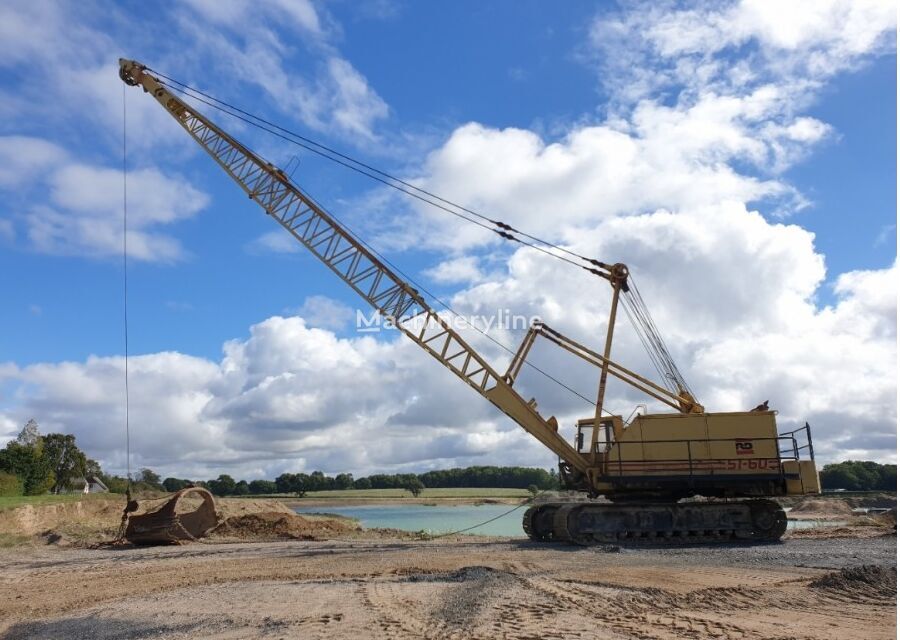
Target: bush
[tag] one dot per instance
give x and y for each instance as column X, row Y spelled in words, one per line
column 10, row 485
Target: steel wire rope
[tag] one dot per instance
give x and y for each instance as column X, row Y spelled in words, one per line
column 184, row 88
column 659, row 355
column 501, row 233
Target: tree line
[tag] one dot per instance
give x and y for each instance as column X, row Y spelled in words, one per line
column 301, row 483
column 854, row 475
column 34, row 464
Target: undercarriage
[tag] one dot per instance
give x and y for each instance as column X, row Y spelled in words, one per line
column 587, row 523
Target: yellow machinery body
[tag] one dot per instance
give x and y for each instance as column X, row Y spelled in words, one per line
column 713, row 454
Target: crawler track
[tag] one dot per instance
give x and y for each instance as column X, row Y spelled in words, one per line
column 587, row 523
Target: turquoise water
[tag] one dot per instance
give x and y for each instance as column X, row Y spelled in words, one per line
column 435, row 520
column 446, row 518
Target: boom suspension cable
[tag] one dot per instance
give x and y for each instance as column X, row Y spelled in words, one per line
column 636, row 309
column 367, row 169
column 447, row 306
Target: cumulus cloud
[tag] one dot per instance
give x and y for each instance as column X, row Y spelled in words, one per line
column 23, row 159
column 675, row 180
column 325, row 312
column 290, row 396
column 84, row 213
column 730, row 47
column 335, row 98
column 456, row 271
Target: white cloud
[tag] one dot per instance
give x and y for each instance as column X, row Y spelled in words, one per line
column 335, row 98
column 325, row 313
column 84, row 215
column 292, row 396
column 237, row 13
column 736, row 45
column 288, row 397
column 24, row 160
column 456, row 271
column 276, row 241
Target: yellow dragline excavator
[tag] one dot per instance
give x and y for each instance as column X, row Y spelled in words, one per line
column 727, row 465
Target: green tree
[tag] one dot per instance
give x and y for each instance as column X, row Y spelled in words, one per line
column 115, row 484
column 362, row 483
column 343, row 481
column 65, row 459
column 10, row 484
column 285, row 483
column 242, row 488
column 855, row 475
column 262, row 487
column 92, row 468
column 414, row 486
column 174, row 484
column 222, row 486
column 29, row 464
column 149, row 476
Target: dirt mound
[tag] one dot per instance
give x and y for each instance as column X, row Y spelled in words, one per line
column 870, row 581
column 828, row 533
column 278, row 525
column 32, row 520
column 228, row 507
column 820, row 507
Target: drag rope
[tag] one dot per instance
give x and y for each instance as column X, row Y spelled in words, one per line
column 481, row 524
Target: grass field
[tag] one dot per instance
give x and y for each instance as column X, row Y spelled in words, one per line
column 470, row 493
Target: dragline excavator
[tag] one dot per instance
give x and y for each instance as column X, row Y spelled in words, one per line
column 727, row 465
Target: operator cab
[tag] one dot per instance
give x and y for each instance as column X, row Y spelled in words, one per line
column 610, row 427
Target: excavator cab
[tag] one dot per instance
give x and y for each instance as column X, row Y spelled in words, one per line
column 610, row 430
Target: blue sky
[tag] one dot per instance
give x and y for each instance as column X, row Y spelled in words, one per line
column 735, row 113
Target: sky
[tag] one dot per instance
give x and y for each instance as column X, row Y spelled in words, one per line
column 739, row 156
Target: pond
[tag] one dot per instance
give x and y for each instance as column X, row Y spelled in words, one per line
column 435, row 520
column 447, row 518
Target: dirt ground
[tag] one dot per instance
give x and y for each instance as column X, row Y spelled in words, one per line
column 325, row 578
column 464, row 588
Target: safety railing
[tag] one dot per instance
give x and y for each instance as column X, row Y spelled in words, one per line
column 693, row 463
column 806, row 431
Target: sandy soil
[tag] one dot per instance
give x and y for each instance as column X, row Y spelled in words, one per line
column 89, row 522
column 326, row 578
column 478, row 588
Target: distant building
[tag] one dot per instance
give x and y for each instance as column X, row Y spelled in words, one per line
column 90, row 484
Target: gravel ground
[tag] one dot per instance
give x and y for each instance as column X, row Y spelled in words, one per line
column 822, row 554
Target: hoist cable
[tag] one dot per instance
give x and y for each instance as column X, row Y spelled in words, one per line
column 184, row 88
column 125, row 275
